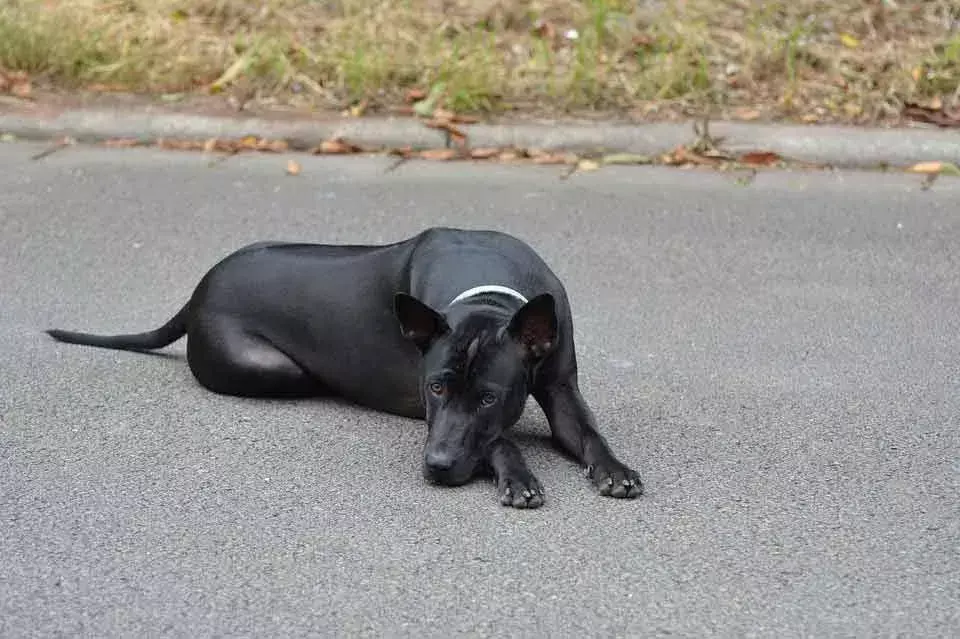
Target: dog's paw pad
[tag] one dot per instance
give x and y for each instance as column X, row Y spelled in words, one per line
column 521, row 494
column 616, row 480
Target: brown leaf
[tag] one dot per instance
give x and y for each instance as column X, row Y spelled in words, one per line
column 210, row 145
column 415, row 95
column 293, row 167
column 441, row 155
column 643, row 42
column 541, row 156
column 484, row 153
column 747, row 114
column 682, row 156
column 121, row 143
column 545, row 29
column 336, row 146
column 464, row 119
column 553, row 158
column 273, row 146
column 180, row 145
column 459, row 137
column 403, row 152
column 16, row 83
column 22, row 89
column 942, row 117
column 760, row 158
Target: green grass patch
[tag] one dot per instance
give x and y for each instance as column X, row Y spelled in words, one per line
column 814, row 58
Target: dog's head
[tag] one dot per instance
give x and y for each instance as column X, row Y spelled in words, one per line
column 476, row 372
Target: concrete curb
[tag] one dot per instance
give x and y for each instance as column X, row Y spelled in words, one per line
column 833, row 145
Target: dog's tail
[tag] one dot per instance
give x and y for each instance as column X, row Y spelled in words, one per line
column 163, row 336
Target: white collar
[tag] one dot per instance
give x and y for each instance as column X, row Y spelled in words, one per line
column 488, row 288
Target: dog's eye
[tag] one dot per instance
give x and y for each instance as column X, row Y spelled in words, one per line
column 436, row 388
column 488, row 399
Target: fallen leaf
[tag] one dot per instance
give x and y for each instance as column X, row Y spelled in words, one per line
column 250, row 143
column 544, row 29
column 273, row 146
column 682, row 156
column 336, row 146
column 942, row 117
column 627, row 158
column 210, row 145
column 8, row 79
column 357, row 110
column 441, row 155
column 179, row 145
column 587, row 164
column 747, row 114
column 293, row 167
column 121, row 143
column 464, row 119
column 553, row 158
column 760, row 158
column 232, row 73
column 458, row 136
column 484, row 153
column 415, row 95
column 644, row 42
column 22, row 89
column 939, row 168
column 403, row 152
column 443, row 115
column 99, row 87
column 850, row 41
column 425, row 107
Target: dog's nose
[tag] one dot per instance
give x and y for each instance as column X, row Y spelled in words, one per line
column 438, row 461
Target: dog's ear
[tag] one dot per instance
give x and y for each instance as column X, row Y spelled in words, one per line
column 418, row 322
column 534, row 326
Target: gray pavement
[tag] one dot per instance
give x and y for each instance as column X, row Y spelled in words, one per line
column 779, row 360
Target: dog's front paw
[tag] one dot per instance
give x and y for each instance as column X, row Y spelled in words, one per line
column 521, row 490
column 613, row 479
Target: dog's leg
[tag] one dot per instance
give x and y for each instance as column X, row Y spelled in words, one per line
column 574, row 429
column 517, row 485
column 227, row 359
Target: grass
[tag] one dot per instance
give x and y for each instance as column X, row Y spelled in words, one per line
column 800, row 59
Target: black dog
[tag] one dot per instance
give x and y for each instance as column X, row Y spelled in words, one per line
column 457, row 327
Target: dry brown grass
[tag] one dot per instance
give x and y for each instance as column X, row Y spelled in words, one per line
column 810, row 59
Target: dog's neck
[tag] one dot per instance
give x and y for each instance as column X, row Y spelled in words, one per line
column 486, row 289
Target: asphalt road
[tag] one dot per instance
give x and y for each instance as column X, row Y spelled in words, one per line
column 779, row 360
